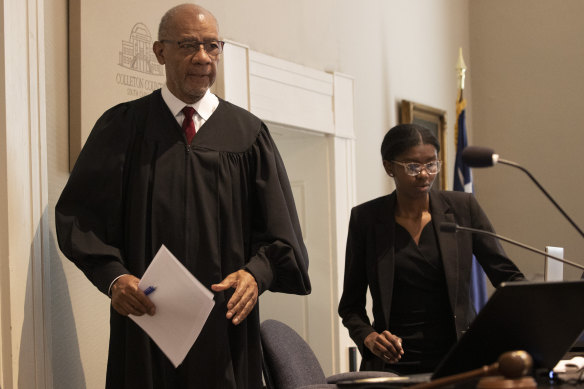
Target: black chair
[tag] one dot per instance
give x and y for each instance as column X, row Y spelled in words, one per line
column 290, row 363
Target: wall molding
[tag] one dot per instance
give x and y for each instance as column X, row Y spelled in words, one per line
column 25, row 314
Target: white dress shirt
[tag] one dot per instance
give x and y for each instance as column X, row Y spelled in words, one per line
column 204, row 107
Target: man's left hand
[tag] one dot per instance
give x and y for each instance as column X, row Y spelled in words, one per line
column 244, row 298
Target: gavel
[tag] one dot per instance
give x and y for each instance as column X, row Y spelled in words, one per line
column 510, row 371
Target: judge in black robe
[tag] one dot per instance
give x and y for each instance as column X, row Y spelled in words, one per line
column 221, row 204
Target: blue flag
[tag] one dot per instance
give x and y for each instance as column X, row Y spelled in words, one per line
column 463, row 183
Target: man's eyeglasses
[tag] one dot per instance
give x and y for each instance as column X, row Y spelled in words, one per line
column 189, row 47
column 413, row 168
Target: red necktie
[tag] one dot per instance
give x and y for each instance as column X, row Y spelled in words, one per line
column 188, row 124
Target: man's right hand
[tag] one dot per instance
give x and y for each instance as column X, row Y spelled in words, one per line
column 128, row 299
column 385, row 345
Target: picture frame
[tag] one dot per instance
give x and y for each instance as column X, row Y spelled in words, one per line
column 433, row 119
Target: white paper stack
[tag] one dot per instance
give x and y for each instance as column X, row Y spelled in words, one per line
column 182, row 306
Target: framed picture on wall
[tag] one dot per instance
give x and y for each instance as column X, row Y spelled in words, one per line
column 433, row 119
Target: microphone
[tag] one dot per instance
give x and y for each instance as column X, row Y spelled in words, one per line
column 475, row 156
column 453, row 227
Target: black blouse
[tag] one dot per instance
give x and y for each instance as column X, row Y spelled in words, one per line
column 420, row 311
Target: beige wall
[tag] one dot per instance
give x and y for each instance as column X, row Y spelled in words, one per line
column 526, row 61
column 524, row 86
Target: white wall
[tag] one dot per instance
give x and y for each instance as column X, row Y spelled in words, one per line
column 396, row 49
column 80, row 313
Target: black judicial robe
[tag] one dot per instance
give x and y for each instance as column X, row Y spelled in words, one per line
column 221, row 204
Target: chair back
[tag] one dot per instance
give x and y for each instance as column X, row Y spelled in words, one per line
column 288, row 361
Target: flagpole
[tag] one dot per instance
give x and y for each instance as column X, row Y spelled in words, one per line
column 460, row 105
column 463, row 180
column 461, row 73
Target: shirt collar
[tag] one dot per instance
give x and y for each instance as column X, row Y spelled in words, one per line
column 204, row 107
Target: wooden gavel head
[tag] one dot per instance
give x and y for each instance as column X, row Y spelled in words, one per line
column 512, row 368
column 515, row 364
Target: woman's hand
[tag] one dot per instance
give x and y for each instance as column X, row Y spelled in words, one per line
column 385, row 345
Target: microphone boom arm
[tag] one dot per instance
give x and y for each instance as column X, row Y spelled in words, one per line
column 496, row 236
column 505, row 162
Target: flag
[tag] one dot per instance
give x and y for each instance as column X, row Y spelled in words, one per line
column 463, row 183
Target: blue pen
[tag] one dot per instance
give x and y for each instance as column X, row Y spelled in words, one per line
column 149, row 290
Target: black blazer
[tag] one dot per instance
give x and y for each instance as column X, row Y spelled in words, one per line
column 369, row 262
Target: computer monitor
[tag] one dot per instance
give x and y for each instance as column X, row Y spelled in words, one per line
column 578, row 346
column 543, row 318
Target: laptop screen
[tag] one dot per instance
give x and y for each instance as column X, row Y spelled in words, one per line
column 579, row 345
column 544, row 319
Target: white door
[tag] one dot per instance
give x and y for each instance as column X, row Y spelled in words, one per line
column 307, row 159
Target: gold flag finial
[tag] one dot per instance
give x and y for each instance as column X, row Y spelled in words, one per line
column 460, row 69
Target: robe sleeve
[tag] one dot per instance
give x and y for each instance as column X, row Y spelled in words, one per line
column 279, row 260
column 88, row 215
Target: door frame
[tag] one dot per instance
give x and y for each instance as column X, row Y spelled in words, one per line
column 311, row 100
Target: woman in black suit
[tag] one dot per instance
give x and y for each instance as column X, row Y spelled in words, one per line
column 418, row 276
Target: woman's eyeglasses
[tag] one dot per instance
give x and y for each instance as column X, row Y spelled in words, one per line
column 413, row 168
